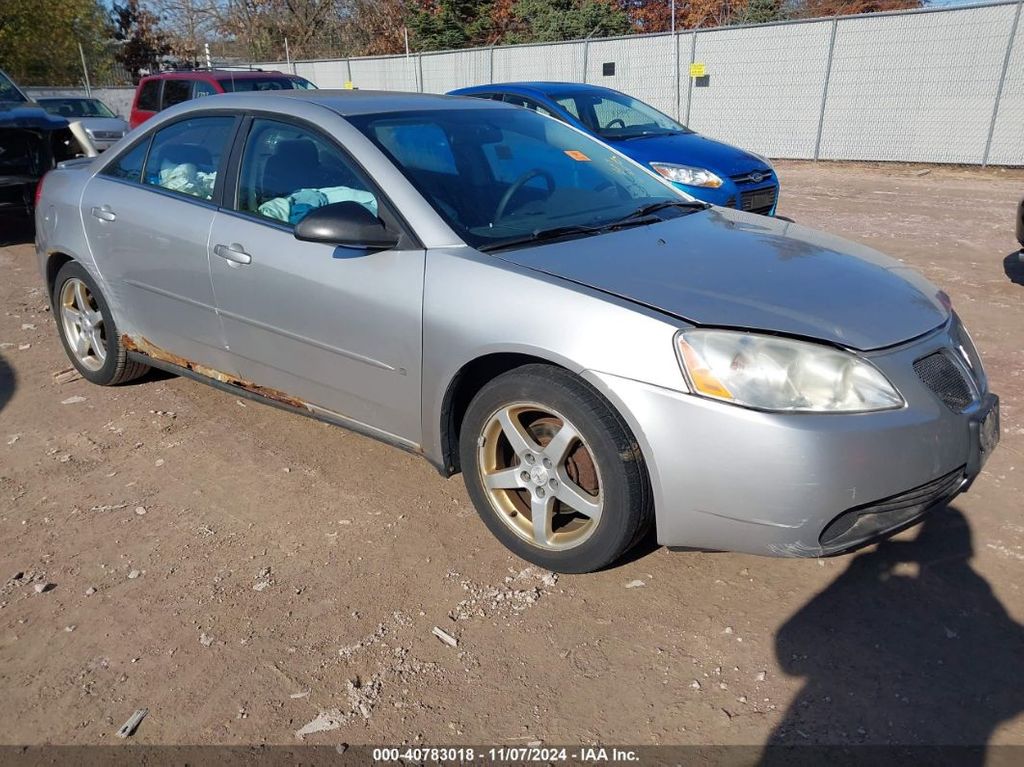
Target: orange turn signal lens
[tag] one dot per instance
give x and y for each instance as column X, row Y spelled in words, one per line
column 703, row 380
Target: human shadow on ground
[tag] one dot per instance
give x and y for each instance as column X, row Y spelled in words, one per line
column 1014, row 267
column 908, row 646
column 8, row 382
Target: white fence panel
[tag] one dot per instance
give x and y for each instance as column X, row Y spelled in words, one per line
column 443, row 72
column 1008, row 136
column 915, row 87
column 393, row 73
column 561, row 61
column 763, row 86
column 644, row 67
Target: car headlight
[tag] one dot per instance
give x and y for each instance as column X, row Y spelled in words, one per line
column 686, row 174
column 771, row 373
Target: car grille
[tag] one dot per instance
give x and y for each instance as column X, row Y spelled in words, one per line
column 108, row 135
column 947, row 379
column 862, row 523
column 758, row 200
column 755, row 177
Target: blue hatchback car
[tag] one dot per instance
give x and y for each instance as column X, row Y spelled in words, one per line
column 702, row 167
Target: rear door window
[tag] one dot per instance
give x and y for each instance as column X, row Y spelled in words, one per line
column 149, row 96
column 176, row 91
column 522, row 101
column 185, row 156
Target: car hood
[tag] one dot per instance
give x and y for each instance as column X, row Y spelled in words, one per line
column 730, row 269
column 103, row 123
column 30, row 115
column 690, row 149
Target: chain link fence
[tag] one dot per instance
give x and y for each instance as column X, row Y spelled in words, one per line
column 939, row 85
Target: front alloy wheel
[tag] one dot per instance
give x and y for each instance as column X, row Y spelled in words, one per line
column 540, row 476
column 553, row 470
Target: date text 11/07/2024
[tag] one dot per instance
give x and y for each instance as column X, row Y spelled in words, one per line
column 501, row 754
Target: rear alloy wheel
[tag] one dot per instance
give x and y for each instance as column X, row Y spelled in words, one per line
column 83, row 324
column 87, row 329
column 553, row 470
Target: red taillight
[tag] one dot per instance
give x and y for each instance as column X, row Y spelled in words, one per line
column 39, row 190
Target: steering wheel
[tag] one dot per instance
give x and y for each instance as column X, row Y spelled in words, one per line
column 518, row 184
column 616, row 120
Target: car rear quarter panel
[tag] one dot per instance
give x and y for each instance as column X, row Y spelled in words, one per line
column 58, row 219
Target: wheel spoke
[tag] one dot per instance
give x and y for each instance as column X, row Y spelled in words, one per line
column 559, row 445
column 71, row 316
column 81, row 344
column 574, row 497
column 542, row 510
column 504, row 479
column 80, row 298
column 96, row 342
column 515, row 433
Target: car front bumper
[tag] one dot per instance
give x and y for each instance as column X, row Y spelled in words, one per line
column 762, row 198
column 802, row 485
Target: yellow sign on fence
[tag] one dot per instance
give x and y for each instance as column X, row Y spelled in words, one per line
column 697, row 69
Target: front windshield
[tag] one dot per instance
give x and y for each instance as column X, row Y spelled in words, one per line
column 76, row 107
column 9, row 92
column 616, row 116
column 244, row 84
column 499, row 175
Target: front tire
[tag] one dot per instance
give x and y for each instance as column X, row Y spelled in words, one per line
column 554, row 471
column 87, row 330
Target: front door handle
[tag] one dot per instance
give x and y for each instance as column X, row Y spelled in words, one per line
column 104, row 213
column 234, row 253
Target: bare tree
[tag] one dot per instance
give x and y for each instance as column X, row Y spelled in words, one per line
column 188, row 24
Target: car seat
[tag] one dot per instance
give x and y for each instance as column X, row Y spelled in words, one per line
column 294, row 165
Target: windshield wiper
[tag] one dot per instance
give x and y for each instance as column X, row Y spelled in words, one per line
column 654, row 207
column 542, row 235
column 649, row 134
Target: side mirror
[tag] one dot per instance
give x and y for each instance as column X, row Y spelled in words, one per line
column 345, row 223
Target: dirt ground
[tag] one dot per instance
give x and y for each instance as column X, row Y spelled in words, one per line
column 244, row 573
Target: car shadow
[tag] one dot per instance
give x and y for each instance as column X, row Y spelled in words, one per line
column 8, row 382
column 17, row 231
column 1014, row 267
column 909, row 646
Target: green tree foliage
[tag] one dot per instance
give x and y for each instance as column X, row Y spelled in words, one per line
column 39, row 40
column 552, row 20
column 141, row 42
column 760, row 12
column 447, row 24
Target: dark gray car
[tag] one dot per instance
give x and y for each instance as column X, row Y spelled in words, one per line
column 489, row 288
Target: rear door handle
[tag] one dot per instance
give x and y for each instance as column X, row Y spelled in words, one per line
column 104, row 213
column 234, row 253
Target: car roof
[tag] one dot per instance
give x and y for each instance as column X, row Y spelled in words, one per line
column 43, row 99
column 350, row 102
column 240, row 74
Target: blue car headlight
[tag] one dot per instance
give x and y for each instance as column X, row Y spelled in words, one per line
column 687, row 174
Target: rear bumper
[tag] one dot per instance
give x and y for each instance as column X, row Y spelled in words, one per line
column 802, row 485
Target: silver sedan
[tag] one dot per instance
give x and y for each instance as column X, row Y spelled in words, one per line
column 598, row 354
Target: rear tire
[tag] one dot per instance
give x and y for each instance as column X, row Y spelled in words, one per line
column 554, row 471
column 87, row 330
